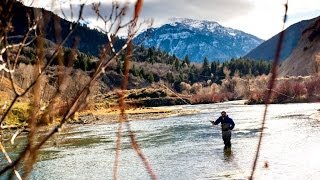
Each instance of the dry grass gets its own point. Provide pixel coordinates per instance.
(18, 116)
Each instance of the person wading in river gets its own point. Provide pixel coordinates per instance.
(227, 125)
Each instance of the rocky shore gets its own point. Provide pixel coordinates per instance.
(103, 116)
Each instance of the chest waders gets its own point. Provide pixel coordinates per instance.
(226, 135)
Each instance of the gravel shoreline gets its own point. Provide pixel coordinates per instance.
(105, 116)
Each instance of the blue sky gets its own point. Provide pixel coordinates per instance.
(262, 18)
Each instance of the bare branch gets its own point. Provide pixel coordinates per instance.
(9, 160)
(270, 87)
(45, 67)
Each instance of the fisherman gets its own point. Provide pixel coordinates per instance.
(227, 125)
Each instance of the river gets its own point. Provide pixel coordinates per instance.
(189, 147)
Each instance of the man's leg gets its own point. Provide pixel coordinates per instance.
(226, 136)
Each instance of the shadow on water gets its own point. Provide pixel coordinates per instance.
(81, 142)
(246, 133)
(46, 155)
(292, 116)
(174, 134)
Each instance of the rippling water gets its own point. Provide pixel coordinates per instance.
(188, 147)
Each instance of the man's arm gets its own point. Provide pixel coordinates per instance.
(216, 122)
(232, 124)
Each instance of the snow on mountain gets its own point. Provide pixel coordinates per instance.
(199, 39)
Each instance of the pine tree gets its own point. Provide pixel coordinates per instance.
(177, 64)
(170, 77)
(151, 78)
(213, 67)
(119, 67)
(206, 69)
(134, 71)
(187, 60)
(142, 74)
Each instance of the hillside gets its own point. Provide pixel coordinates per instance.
(82, 32)
(153, 65)
(149, 66)
(199, 39)
(267, 49)
(305, 58)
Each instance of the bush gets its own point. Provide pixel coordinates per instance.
(313, 87)
(210, 98)
(151, 78)
(289, 91)
(256, 97)
(19, 115)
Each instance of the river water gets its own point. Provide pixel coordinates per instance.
(189, 147)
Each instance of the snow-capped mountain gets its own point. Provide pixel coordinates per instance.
(199, 39)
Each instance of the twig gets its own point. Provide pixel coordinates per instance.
(29, 149)
(270, 87)
(19, 131)
(118, 147)
(175, 94)
(9, 160)
(51, 59)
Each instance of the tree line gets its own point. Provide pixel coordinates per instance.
(183, 70)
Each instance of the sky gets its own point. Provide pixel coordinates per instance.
(262, 18)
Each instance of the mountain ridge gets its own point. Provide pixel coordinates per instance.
(184, 36)
(82, 32)
(305, 58)
(267, 49)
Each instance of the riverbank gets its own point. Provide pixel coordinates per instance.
(102, 116)
(105, 108)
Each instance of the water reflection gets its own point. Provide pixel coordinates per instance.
(228, 155)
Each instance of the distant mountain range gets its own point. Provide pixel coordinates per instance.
(199, 39)
(267, 49)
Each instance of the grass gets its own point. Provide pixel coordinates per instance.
(19, 114)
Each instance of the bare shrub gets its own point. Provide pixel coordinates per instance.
(228, 87)
(185, 88)
(256, 88)
(241, 88)
(24, 75)
(210, 98)
(196, 87)
(260, 82)
(74, 81)
(256, 97)
(288, 91)
(209, 94)
(313, 87)
(299, 89)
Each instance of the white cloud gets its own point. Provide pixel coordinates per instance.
(262, 18)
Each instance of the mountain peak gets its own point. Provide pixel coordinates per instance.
(193, 23)
(200, 39)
